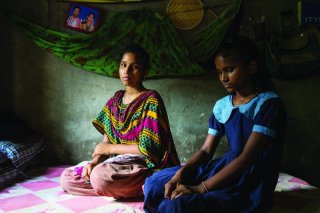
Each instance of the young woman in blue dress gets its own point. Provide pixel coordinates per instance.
(253, 118)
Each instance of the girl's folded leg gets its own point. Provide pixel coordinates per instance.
(72, 182)
(154, 188)
(206, 203)
(119, 180)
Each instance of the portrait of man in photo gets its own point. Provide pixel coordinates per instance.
(74, 20)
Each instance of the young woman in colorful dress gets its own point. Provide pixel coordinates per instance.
(136, 137)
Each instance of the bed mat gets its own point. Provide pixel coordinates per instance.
(42, 193)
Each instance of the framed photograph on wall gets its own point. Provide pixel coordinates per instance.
(82, 18)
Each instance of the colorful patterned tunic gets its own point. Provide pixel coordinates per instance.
(143, 122)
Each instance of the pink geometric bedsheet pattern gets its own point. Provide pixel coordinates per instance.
(42, 193)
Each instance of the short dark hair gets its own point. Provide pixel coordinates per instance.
(244, 50)
(140, 52)
(75, 7)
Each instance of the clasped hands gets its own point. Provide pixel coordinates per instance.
(174, 189)
(101, 149)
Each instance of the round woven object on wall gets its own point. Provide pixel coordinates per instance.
(185, 14)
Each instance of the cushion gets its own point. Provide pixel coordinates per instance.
(9, 174)
(22, 151)
(3, 158)
(16, 155)
(19, 147)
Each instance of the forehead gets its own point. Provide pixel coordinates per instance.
(130, 57)
(224, 61)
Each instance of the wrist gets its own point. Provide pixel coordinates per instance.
(97, 159)
(200, 189)
(112, 149)
(179, 174)
(203, 187)
(93, 163)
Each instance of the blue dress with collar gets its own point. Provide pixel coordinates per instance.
(250, 192)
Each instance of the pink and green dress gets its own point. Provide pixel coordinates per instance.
(143, 122)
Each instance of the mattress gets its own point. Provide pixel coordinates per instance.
(42, 193)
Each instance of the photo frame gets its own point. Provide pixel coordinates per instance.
(82, 18)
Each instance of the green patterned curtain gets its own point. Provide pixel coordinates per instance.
(203, 45)
(99, 52)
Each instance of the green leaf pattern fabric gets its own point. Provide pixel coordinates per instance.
(100, 52)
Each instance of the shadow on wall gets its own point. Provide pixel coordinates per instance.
(302, 145)
(301, 153)
(33, 90)
(25, 82)
(6, 62)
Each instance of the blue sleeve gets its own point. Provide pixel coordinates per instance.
(215, 127)
(270, 118)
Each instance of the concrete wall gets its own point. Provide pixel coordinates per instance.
(60, 100)
(6, 66)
